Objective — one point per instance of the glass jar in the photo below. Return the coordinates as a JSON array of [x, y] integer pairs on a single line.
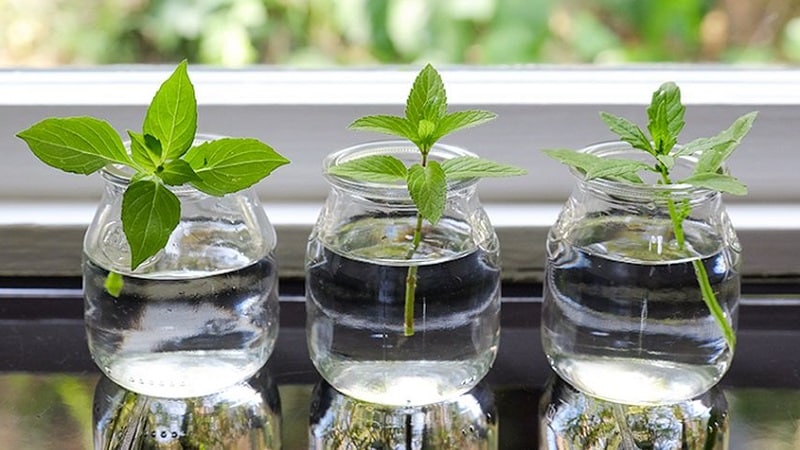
[[246, 415], [572, 420], [623, 317], [357, 265], [197, 317], [339, 422]]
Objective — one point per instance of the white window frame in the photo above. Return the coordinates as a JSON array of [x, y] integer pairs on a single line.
[[304, 115]]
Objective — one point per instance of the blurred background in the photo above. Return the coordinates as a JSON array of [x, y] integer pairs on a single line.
[[327, 33]]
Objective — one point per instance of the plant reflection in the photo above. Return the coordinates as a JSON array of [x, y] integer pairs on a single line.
[[570, 419], [244, 416], [339, 422]]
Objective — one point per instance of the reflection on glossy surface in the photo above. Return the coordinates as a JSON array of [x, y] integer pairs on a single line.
[[570, 419], [244, 416], [339, 422]]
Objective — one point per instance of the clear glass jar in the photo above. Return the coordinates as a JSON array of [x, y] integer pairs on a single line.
[[357, 262], [572, 420], [245, 416], [339, 422], [197, 317], [623, 317]]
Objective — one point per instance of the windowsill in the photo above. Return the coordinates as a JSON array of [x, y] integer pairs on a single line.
[[44, 239]]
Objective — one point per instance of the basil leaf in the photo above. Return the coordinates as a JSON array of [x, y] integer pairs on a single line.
[[666, 117], [374, 168], [177, 172], [720, 147], [460, 120], [231, 164], [427, 99], [471, 167], [150, 212], [141, 154], [172, 115], [628, 132], [114, 284], [593, 166], [392, 125], [428, 189], [75, 144], [717, 182]]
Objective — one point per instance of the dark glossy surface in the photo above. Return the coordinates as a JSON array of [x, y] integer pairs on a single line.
[[48, 384]]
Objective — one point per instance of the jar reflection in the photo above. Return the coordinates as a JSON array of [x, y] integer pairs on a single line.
[[468, 422], [244, 416], [570, 419]]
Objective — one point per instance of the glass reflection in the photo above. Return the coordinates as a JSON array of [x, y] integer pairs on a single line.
[[339, 422], [244, 416], [570, 419]]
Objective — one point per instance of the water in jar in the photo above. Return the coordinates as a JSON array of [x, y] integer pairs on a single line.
[[355, 312], [183, 333], [623, 315]]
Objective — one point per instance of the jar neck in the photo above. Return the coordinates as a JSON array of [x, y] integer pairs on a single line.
[[653, 190], [118, 178], [633, 194]]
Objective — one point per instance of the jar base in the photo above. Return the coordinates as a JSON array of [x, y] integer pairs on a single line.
[[637, 381], [406, 383], [182, 374]]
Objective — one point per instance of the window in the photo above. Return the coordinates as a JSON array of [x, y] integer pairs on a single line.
[[304, 114]]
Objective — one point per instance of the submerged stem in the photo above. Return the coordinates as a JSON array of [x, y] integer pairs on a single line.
[[700, 272], [411, 281], [411, 276]]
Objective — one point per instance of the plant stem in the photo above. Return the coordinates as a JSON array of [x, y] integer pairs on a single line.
[[411, 281], [700, 272], [411, 275]]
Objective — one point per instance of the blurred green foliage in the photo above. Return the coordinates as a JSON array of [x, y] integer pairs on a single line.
[[323, 33]]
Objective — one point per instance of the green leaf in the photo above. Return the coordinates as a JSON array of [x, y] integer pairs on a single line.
[[668, 161], [471, 167], [231, 164], [716, 150], [598, 167], [628, 132], [666, 117], [392, 125], [140, 153], [75, 144], [150, 212], [425, 129], [177, 172], [461, 120], [114, 284], [428, 189], [375, 168], [717, 182], [153, 145], [172, 115], [427, 99]]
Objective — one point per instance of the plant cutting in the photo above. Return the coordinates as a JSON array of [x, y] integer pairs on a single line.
[[650, 207], [402, 271], [426, 121], [178, 233]]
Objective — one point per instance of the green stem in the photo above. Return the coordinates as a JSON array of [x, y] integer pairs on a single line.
[[411, 276], [411, 281], [700, 272], [711, 302]]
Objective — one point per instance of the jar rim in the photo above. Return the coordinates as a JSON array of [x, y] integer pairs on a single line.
[[121, 175], [402, 149], [640, 190]]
